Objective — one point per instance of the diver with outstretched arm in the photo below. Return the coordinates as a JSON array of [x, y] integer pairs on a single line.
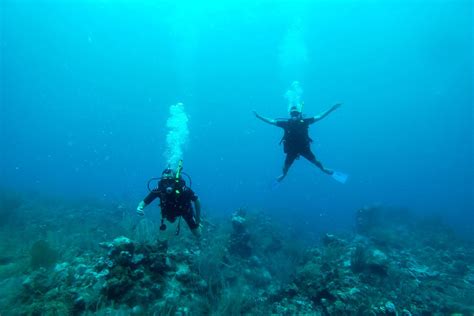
[[296, 140], [265, 119], [327, 112]]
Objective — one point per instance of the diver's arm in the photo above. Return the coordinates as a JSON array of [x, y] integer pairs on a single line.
[[326, 113], [141, 206], [149, 198], [265, 119], [197, 208]]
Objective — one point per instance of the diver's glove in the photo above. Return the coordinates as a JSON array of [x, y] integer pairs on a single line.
[[140, 208]]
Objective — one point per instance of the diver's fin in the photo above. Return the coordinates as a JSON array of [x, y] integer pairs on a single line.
[[340, 176], [275, 184]]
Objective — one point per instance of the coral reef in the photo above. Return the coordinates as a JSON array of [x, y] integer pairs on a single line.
[[393, 264]]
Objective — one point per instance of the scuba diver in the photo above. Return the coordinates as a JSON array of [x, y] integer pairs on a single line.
[[296, 141], [175, 201]]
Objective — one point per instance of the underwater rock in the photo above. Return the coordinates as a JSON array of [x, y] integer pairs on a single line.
[[62, 271], [331, 240], [123, 243], [100, 283], [377, 262], [296, 306], [124, 258], [419, 271], [106, 245], [238, 223], [371, 261], [137, 310], [390, 309], [183, 274], [79, 304], [38, 282], [104, 263], [258, 277], [337, 308], [28, 283], [60, 267], [239, 242], [119, 244], [266, 276], [117, 287], [129, 267], [80, 269], [406, 312], [347, 295], [138, 258], [255, 261], [387, 309]]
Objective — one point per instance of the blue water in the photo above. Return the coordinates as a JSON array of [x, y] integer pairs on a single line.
[[86, 86]]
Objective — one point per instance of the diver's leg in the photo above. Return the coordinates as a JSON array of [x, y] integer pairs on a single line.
[[192, 223], [290, 158], [308, 154]]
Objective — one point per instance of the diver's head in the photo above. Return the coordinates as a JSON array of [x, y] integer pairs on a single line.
[[169, 183], [167, 174], [295, 113]]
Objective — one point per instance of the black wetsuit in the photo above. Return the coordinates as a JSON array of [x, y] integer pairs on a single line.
[[175, 204], [296, 140]]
